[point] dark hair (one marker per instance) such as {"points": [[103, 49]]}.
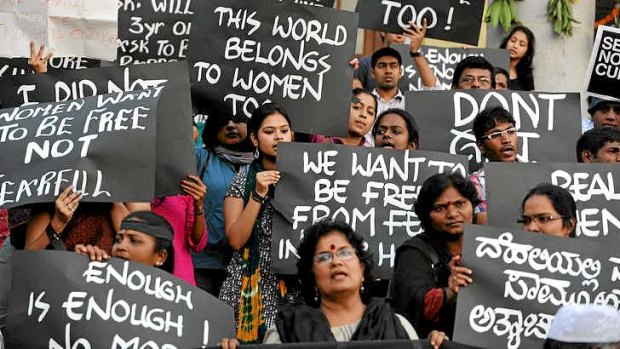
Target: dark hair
{"points": [[383, 52], [561, 200], [161, 243], [488, 118], [432, 189], [524, 67], [475, 62], [262, 112], [307, 248], [596, 138], [554, 344], [358, 91], [502, 71], [412, 126]]}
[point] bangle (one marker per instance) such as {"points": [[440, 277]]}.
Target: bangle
{"points": [[199, 211], [415, 54], [256, 197]]}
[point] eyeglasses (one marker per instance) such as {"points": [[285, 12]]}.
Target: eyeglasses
{"points": [[469, 79], [499, 134], [344, 254], [540, 218]]}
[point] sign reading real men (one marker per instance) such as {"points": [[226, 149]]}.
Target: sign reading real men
{"points": [[521, 279], [252, 51], [603, 76], [457, 21], [548, 124], [372, 189], [101, 145], [76, 303], [594, 187]]}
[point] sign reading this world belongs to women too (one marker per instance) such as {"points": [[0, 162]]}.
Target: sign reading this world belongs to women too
{"points": [[372, 189], [264, 50]]}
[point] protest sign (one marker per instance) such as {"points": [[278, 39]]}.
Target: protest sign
{"points": [[85, 28], [456, 21], [443, 60], [153, 31], [102, 145], [521, 279], [265, 50], [548, 124], [372, 189], [74, 303], [319, 3], [174, 151], [603, 75], [19, 66], [595, 188], [366, 344]]}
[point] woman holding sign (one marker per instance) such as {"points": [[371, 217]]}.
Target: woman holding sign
{"points": [[520, 45], [428, 272], [549, 210], [251, 288]]}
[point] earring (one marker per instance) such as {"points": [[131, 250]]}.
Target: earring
{"points": [[362, 288], [158, 264], [316, 295]]}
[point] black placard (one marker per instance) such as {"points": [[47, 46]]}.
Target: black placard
{"points": [[521, 279], [259, 50], [111, 304], [443, 60], [102, 145], [451, 20], [595, 188], [319, 3], [153, 31], [19, 66], [603, 75], [372, 189], [383, 344], [174, 148], [549, 124]]}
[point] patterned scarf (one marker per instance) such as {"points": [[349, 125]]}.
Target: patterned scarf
{"points": [[251, 327]]}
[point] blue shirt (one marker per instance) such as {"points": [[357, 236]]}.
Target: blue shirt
{"points": [[217, 175]]}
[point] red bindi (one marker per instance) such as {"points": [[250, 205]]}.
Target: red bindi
{"points": [[332, 247]]}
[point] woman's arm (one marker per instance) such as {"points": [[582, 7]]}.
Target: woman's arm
{"points": [[36, 236], [117, 213], [194, 187], [239, 220]]}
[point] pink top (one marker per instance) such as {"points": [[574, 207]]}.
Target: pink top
{"points": [[179, 211]]}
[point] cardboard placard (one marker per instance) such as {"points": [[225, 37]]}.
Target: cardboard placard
{"points": [[594, 187], [174, 149], [372, 189], [457, 21], [72, 302], [264, 50], [603, 75], [521, 279], [548, 124]]}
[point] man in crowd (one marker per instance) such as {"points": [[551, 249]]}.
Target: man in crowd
{"points": [[473, 72], [603, 112], [496, 137], [601, 144], [584, 326]]}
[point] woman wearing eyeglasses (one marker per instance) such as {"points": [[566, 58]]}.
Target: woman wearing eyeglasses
{"points": [[550, 210]]}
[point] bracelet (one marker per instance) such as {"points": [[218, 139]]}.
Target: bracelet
{"points": [[198, 212], [256, 197], [51, 233]]}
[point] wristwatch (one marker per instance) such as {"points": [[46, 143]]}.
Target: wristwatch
{"points": [[415, 54]]}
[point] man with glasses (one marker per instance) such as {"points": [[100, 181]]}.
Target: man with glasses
{"points": [[473, 72], [496, 137]]}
